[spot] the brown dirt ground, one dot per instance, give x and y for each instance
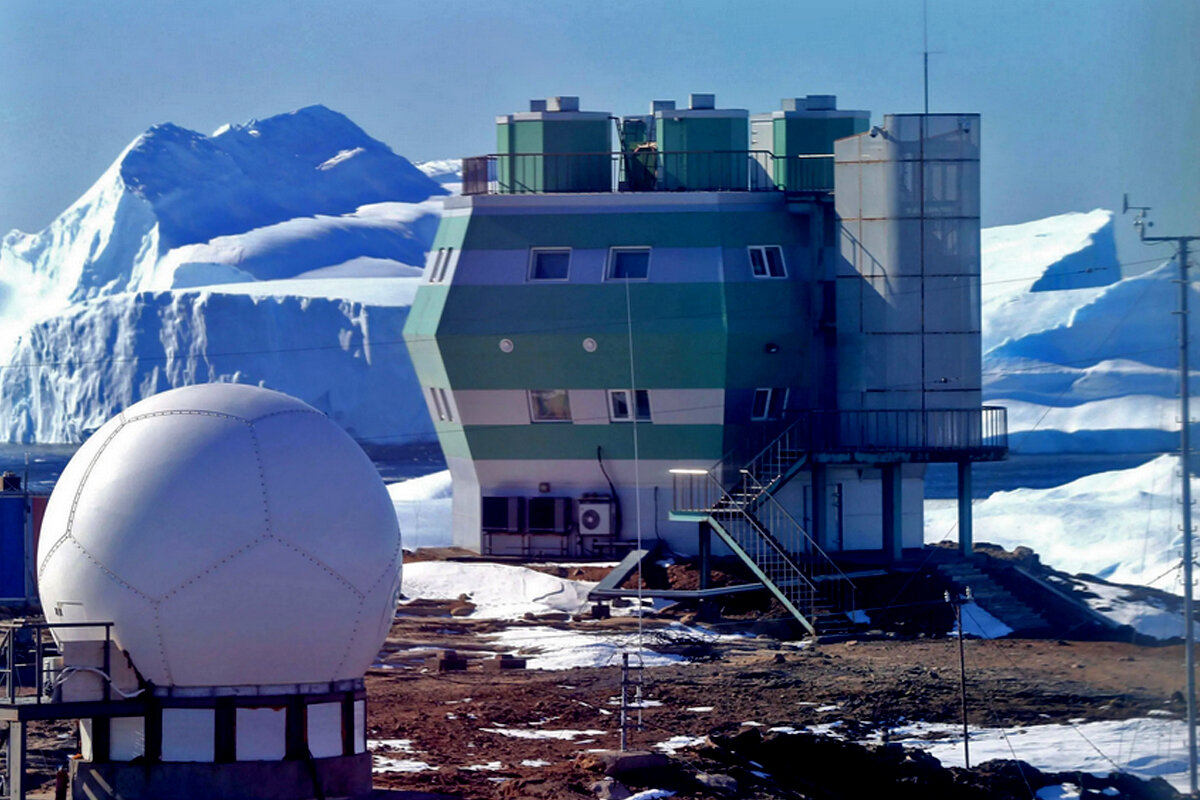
(871, 682)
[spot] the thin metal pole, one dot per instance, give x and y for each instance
(1184, 450)
(1141, 223)
(925, 43)
(624, 697)
(962, 684)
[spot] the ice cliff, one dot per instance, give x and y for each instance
(1083, 358)
(143, 283)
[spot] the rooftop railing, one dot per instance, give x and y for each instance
(647, 170)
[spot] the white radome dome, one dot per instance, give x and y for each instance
(235, 536)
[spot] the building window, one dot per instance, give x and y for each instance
(549, 405)
(768, 404)
(441, 404)
(549, 265)
(766, 261)
(619, 409)
(439, 264)
(629, 263)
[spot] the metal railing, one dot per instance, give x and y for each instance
(24, 640)
(946, 433)
(765, 535)
(646, 170)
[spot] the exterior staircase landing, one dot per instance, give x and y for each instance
(994, 598)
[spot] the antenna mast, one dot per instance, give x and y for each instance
(1181, 242)
(925, 50)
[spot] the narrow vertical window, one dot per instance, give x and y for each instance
(762, 401)
(446, 407)
(441, 276)
(436, 402)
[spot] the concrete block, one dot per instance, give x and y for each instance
(446, 661)
(503, 662)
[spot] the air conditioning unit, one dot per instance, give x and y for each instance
(596, 516)
(503, 514)
(550, 514)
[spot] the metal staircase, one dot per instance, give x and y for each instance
(763, 534)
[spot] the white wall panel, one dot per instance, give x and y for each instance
(188, 734)
(324, 729)
(261, 734)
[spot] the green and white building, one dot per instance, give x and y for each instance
(631, 325)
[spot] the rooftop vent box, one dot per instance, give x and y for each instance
(562, 103)
(821, 102)
(537, 105)
(793, 103)
(702, 102)
(662, 105)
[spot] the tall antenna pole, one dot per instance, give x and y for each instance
(925, 48)
(1141, 223)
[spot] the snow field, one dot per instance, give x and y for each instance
(1121, 526)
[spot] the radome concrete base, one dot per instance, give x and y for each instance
(343, 776)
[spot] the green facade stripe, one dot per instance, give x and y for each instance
(451, 232)
(565, 441)
(684, 336)
(560, 362)
(667, 229)
(585, 308)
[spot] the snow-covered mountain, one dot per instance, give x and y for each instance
(144, 282)
(1083, 358)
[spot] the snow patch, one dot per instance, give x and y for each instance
(1121, 526)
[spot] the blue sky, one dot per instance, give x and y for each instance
(1081, 99)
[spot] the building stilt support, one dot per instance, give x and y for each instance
(893, 514)
(966, 533)
(820, 507)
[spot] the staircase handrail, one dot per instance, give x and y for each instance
(803, 532)
(759, 527)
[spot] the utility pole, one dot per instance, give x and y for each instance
(1181, 242)
(958, 601)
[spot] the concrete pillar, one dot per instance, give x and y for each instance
(966, 533)
(893, 513)
(820, 507)
(16, 760)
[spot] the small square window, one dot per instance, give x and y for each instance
(549, 405)
(766, 261)
(630, 263)
(549, 265)
(618, 405)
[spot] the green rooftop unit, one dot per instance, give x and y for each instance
(801, 135)
(554, 147)
(703, 148)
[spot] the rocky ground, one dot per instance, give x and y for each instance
(480, 733)
(471, 725)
